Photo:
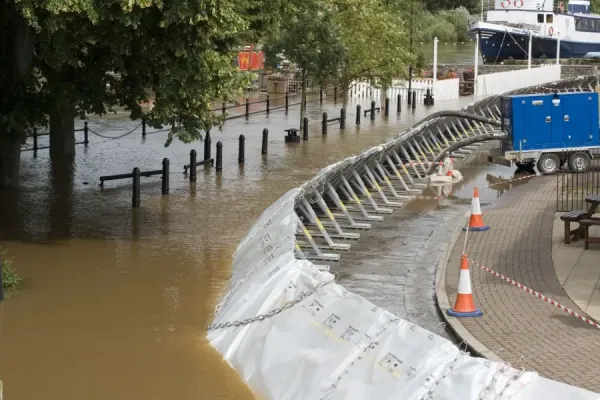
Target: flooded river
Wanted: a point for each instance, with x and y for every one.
(115, 300)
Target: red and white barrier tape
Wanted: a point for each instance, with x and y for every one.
(512, 180)
(537, 294)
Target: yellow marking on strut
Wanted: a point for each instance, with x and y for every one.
(377, 186)
(319, 224)
(308, 236)
(387, 179)
(329, 214)
(356, 199)
(298, 247)
(343, 206)
(368, 193)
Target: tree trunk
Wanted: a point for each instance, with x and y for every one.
(62, 168)
(303, 99)
(62, 132)
(10, 160)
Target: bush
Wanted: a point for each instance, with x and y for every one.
(447, 26)
(10, 279)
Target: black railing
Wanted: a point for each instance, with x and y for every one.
(573, 187)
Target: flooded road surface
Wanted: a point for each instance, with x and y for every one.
(115, 300)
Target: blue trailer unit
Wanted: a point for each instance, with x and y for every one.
(551, 129)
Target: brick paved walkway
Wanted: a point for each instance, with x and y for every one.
(516, 324)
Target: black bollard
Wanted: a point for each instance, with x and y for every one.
(143, 128)
(1, 281)
(35, 142)
(265, 142)
(207, 142)
(324, 124)
(219, 156)
(334, 94)
(268, 104)
(135, 196)
(387, 106)
(399, 103)
(193, 160)
(164, 189)
(343, 118)
(86, 131)
(241, 149)
(358, 114)
(426, 100)
(223, 109)
(247, 107)
(305, 129)
(409, 97)
(287, 99)
(373, 110)
(414, 99)
(321, 95)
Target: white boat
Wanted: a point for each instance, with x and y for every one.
(510, 24)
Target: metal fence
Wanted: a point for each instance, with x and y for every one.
(573, 187)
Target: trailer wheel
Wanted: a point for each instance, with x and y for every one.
(579, 162)
(548, 163)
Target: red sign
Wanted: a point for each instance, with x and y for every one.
(251, 60)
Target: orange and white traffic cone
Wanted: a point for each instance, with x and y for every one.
(464, 305)
(476, 220)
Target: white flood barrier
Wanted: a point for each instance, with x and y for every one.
(292, 333)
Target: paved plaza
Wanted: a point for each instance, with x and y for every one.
(518, 327)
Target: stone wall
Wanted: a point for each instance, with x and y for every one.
(567, 71)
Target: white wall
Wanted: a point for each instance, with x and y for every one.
(501, 82)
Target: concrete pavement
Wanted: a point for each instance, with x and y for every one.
(518, 327)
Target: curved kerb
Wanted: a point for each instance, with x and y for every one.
(293, 333)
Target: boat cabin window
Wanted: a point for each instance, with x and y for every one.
(549, 18)
(541, 18)
(587, 24)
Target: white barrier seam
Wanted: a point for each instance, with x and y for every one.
(537, 294)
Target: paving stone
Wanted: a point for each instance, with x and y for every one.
(517, 324)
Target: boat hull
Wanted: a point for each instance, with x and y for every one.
(498, 46)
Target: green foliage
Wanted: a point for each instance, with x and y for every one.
(92, 55)
(446, 25)
(595, 6)
(438, 5)
(10, 279)
(376, 41)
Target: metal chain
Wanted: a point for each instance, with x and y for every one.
(226, 298)
(272, 313)
(115, 137)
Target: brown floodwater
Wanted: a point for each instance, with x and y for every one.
(114, 300)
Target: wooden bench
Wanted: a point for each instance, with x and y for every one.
(585, 224)
(573, 216)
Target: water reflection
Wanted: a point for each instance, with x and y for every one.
(117, 299)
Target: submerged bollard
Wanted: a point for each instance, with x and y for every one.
(399, 103)
(373, 110)
(387, 106)
(324, 124)
(164, 189)
(143, 128)
(247, 107)
(193, 159)
(414, 99)
(207, 142)
(268, 104)
(86, 131)
(35, 142)
(265, 142)
(409, 97)
(321, 95)
(287, 99)
(358, 114)
(343, 118)
(223, 109)
(334, 94)
(305, 128)
(241, 149)
(135, 195)
(219, 156)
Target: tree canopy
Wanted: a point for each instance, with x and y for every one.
(88, 56)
